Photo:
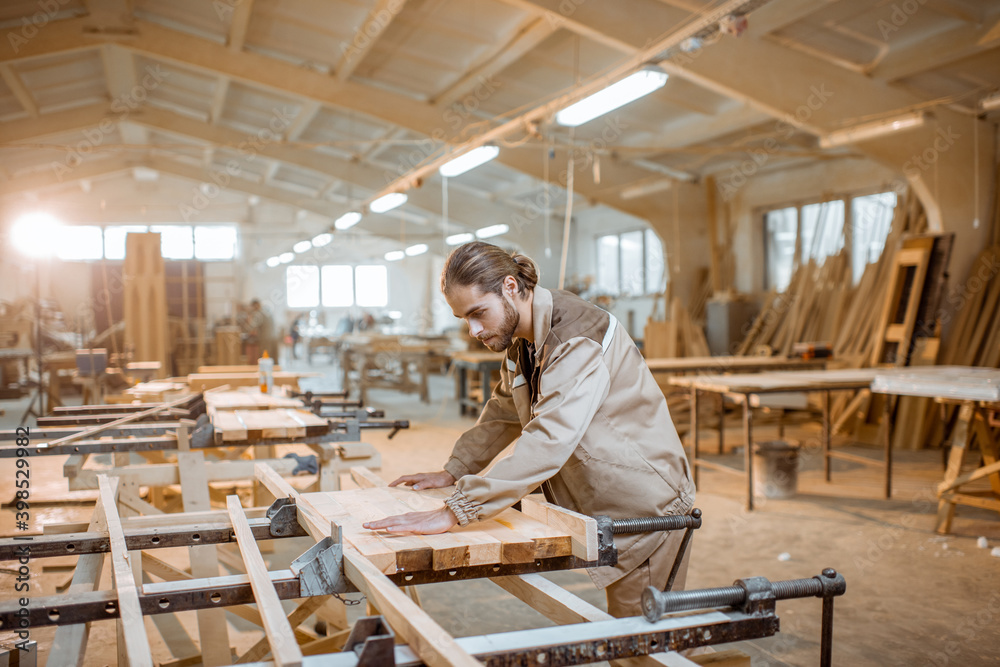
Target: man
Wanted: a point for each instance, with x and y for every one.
(260, 330)
(592, 427)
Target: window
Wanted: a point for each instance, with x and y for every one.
(372, 285)
(781, 227)
(176, 241)
(114, 239)
(338, 286)
(80, 242)
(216, 242)
(302, 286)
(871, 217)
(818, 230)
(630, 264)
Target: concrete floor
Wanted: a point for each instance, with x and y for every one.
(914, 598)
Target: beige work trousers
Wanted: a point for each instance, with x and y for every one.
(625, 595)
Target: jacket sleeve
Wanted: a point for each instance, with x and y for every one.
(572, 388)
(496, 428)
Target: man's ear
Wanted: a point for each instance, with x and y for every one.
(510, 286)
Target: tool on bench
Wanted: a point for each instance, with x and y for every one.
(755, 596)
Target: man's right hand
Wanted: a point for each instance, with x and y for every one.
(425, 480)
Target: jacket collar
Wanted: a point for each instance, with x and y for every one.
(541, 316)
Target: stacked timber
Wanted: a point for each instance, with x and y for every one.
(146, 299)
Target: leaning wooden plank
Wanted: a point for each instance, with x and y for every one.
(135, 652)
(582, 528)
(284, 648)
(431, 642)
(559, 605)
(70, 643)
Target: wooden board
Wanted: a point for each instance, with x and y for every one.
(757, 383)
(511, 537)
(728, 364)
(205, 381)
(248, 400)
(240, 425)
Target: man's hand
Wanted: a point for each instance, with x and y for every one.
(420, 523)
(425, 480)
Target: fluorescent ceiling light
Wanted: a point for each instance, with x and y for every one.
(273, 261)
(301, 214)
(470, 160)
(874, 130)
(616, 95)
(990, 103)
(347, 220)
(35, 233)
(321, 240)
(644, 189)
(418, 249)
(253, 200)
(394, 255)
(286, 257)
(492, 230)
(387, 202)
(456, 239)
(302, 246)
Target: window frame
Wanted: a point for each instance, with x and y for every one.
(354, 287)
(619, 279)
(848, 230)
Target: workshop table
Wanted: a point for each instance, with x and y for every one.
(746, 388)
(728, 364)
(484, 363)
(976, 393)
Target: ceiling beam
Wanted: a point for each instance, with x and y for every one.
(939, 50)
(525, 38)
(50, 124)
(51, 178)
(121, 81)
(218, 100)
(237, 37)
(301, 121)
(20, 91)
(378, 19)
(110, 17)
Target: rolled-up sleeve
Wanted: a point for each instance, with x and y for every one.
(497, 427)
(572, 388)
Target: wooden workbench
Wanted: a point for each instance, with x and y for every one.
(484, 363)
(729, 364)
(745, 388)
(976, 393)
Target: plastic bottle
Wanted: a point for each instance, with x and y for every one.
(265, 373)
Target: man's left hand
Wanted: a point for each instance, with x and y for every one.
(420, 523)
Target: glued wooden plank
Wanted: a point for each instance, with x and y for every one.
(431, 642)
(284, 649)
(136, 648)
(367, 542)
(228, 424)
(459, 547)
(413, 552)
(366, 478)
(549, 542)
(582, 528)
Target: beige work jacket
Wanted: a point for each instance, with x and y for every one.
(592, 429)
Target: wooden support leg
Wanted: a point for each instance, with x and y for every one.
(827, 444)
(133, 643)
(212, 629)
(959, 441)
(694, 436)
(70, 643)
(722, 423)
(887, 418)
(748, 447)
